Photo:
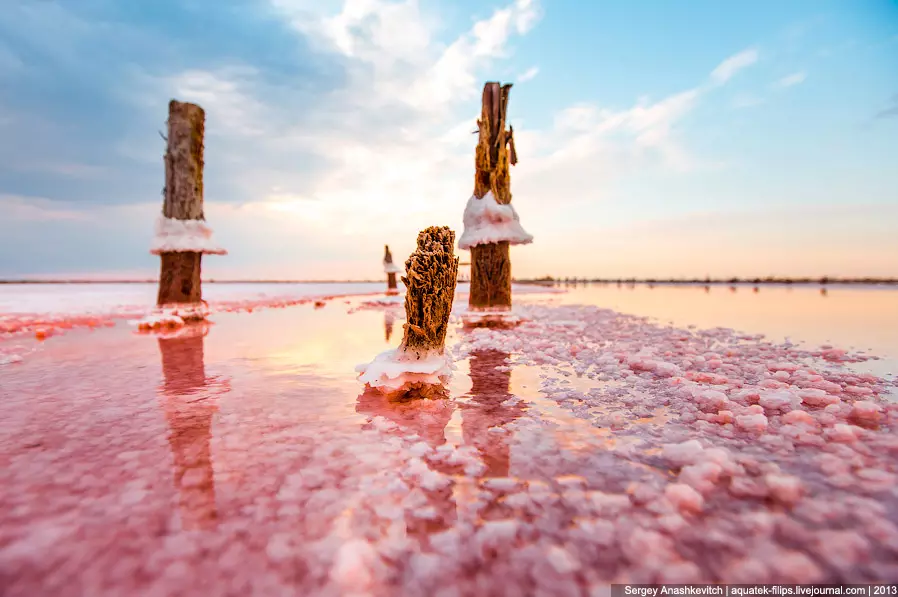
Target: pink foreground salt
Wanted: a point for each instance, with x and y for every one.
(580, 448)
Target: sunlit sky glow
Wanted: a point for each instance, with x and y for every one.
(655, 138)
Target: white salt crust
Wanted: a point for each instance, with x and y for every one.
(394, 369)
(498, 315)
(171, 317)
(391, 268)
(486, 221)
(176, 236)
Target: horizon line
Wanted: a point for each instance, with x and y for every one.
(542, 280)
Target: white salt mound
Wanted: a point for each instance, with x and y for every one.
(486, 221)
(173, 236)
(393, 369)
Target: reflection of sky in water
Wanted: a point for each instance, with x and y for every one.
(849, 317)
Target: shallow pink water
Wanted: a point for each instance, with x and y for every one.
(580, 448)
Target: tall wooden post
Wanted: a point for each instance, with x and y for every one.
(182, 236)
(490, 259)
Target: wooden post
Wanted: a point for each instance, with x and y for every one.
(432, 272)
(179, 278)
(491, 263)
(388, 265)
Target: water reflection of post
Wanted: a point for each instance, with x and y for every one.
(389, 320)
(428, 420)
(490, 388)
(189, 413)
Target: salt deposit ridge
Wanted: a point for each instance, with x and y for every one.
(580, 448)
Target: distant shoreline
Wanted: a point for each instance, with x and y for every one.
(538, 281)
(204, 281)
(709, 282)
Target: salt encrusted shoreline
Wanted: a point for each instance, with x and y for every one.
(179, 236)
(486, 221)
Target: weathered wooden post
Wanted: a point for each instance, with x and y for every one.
(420, 361)
(391, 270)
(491, 223)
(182, 236)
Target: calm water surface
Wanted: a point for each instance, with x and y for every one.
(863, 318)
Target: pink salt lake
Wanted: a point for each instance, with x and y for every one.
(581, 448)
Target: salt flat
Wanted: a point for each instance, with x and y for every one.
(583, 447)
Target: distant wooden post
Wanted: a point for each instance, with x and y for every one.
(391, 270)
(490, 260)
(182, 236)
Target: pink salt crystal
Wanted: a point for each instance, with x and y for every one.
(725, 416)
(833, 354)
(562, 560)
(684, 497)
(784, 488)
(876, 479)
(712, 398)
(746, 571)
(858, 391)
(841, 432)
(352, 566)
(794, 567)
(702, 476)
(748, 487)
(776, 400)
(680, 573)
(781, 375)
(755, 409)
(842, 549)
(833, 409)
(866, 411)
(756, 422)
(643, 545)
(683, 453)
(817, 397)
(671, 523)
(772, 384)
(796, 417)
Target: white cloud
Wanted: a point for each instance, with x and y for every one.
(395, 146)
(793, 79)
(732, 65)
(38, 209)
(528, 74)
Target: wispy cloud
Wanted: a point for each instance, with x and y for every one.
(528, 74)
(792, 80)
(891, 111)
(732, 65)
(38, 209)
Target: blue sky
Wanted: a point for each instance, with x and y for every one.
(656, 138)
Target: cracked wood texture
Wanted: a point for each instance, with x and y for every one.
(491, 263)
(391, 277)
(432, 272)
(180, 275)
